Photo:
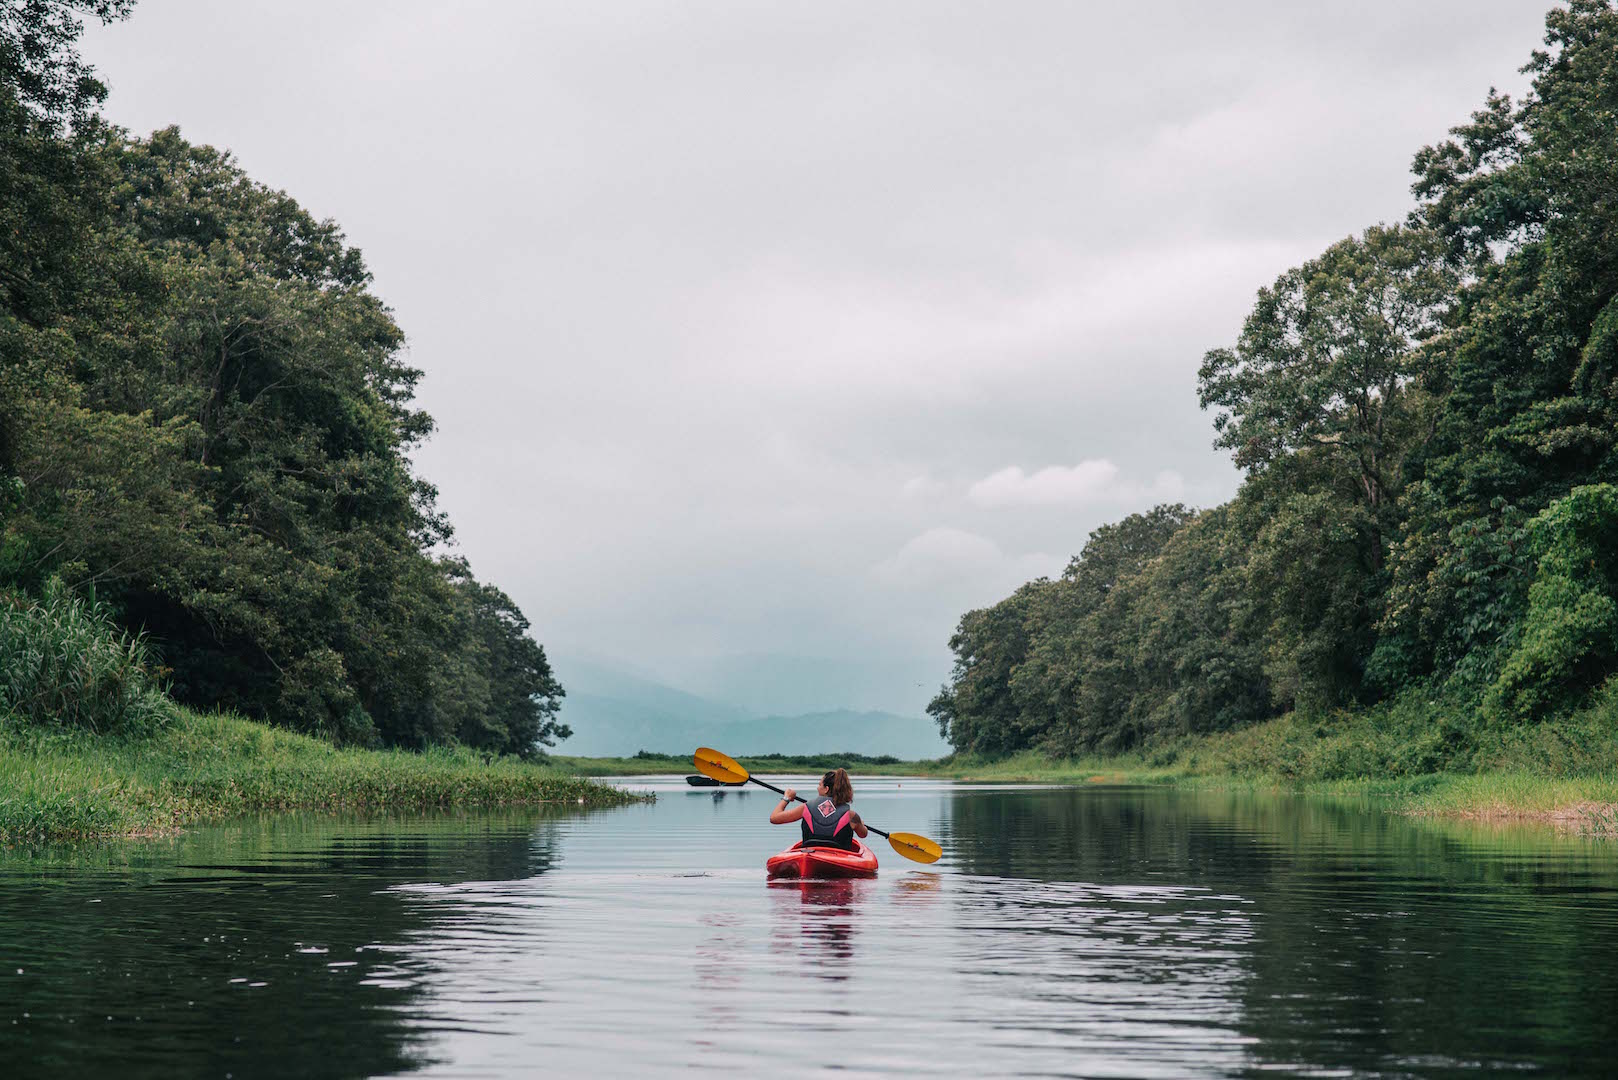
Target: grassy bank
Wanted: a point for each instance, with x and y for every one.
(1418, 757)
(1590, 800)
(63, 784)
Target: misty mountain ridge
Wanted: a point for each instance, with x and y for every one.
(614, 714)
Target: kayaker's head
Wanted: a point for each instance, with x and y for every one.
(837, 786)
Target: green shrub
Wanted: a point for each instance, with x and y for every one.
(1569, 642)
(63, 663)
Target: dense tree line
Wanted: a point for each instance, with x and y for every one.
(1427, 419)
(205, 418)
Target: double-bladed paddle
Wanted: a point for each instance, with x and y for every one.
(712, 763)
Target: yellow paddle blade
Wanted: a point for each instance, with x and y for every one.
(916, 848)
(712, 763)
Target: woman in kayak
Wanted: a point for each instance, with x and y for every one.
(828, 819)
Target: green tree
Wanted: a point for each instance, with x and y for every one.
(1569, 639)
(1330, 359)
(1316, 594)
(1522, 196)
(39, 66)
(976, 710)
(1428, 419)
(518, 710)
(1081, 673)
(1043, 668)
(1200, 661)
(205, 417)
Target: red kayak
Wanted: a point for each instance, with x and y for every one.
(798, 861)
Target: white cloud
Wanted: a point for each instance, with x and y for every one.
(922, 487)
(947, 556)
(1097, 480)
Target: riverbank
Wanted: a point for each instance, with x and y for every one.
(1580, 803)
(71, 785)
(1431, 759)
(1424, 758)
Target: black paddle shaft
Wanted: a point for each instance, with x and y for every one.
(800, 798)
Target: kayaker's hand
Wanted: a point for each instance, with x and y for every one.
(789, 795)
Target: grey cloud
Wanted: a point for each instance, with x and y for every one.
(724, 307)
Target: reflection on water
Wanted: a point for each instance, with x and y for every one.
(815, 922)
(203, 955)
(1067, 932)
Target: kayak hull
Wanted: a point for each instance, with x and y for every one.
(708, 781)
(798, 861)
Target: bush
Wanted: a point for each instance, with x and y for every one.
(63, 663)
(1569, 641)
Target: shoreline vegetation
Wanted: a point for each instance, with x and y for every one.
(59, 785)
(224, 589)
(1562, 773)
(207, 419)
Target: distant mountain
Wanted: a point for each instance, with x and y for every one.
(614, 714)
(841, 729)
(781, 684)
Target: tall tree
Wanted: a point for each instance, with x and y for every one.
(205, 416)
(1080, 674)
(1330, 358)
(976, 711)
(1523, 198)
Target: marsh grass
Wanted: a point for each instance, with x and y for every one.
(1426, 758)
(65, 784)
(64, 664)
(1599, 820)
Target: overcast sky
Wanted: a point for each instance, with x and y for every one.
(767, 338)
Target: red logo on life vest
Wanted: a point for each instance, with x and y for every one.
(826, 808)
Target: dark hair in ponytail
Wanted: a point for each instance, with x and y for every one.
(839, 786)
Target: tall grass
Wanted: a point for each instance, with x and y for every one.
(64, 664)
(66, 784)
(1417, 754)
(90, 747)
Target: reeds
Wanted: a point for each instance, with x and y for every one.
(64, 664)
(63, 784)
(91, 748)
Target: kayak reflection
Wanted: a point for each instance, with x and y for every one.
(918, 886)
(821, 922)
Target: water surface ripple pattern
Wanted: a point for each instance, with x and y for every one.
(1067, 932)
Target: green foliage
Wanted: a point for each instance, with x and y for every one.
(977, 708)
(1087, 650)
(1329, 359)
(70, 785)
(206, 418)
(1200, 668)
(1454, 598)
(63, 664)
(38, 64)
(1311, 572)
(1428, 417)
(513, 696)
(1568, 643)
(1047, 666)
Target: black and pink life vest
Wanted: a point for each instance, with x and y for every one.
(828, 823)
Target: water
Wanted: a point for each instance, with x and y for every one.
(1092, 932)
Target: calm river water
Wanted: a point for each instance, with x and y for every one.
(1088, 932)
